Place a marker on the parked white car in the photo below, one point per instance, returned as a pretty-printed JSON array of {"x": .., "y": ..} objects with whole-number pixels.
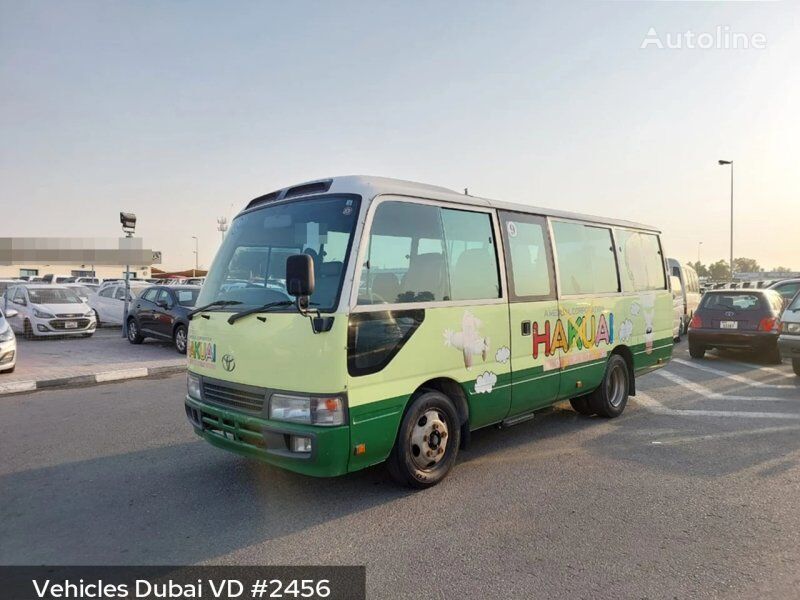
[
  {"x": 8, "y": 342},
  {"x": 678, "y": 308},
  {"x": 690, "y": 286},
  {"x": 109, "y": 301},
  {"x": 83, "y": 291},
  {"x": 49, "y": 310}
]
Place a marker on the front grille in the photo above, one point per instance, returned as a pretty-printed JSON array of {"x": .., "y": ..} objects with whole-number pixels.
[
  {"x": 69, "y": 316},
  {"x": 82, "y": 324},
  {"x": 234, "y": 396}
]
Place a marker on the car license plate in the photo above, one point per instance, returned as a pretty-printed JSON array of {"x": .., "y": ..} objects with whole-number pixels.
[
  {"x": 729, "y": 324},
  {"x": 70, "y": 324}
]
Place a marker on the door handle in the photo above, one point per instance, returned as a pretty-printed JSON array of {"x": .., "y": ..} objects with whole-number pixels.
[{"x": 526, "y": 328}]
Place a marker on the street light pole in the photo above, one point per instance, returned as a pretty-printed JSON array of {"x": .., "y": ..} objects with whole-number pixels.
[
  {"x": 730, "y": 162},
  {"x": 128, "y": 221},
  {"x": 698, "y": 250},
  {"x": 194, "y": 273}
]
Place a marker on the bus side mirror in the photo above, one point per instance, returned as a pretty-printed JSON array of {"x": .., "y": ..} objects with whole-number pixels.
[{"x": 300, "y": 275}]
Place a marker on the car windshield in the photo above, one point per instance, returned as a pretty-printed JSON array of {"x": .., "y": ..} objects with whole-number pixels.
[
  {"x": 53, "y": 296},
  {"x": 82, "y": 290},
  {"x": 732, "y": 301},
  {"x": 795, "y": 303},
  {"x": 250, "y": 267},
  {"x": 187, "y": 297}
]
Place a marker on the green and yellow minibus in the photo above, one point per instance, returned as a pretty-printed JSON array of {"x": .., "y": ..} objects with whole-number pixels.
[{"x": 355, "y": 320}]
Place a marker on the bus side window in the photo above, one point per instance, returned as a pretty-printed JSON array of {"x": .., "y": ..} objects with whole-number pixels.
[
  {"x": 528, "y": 257},
  {"x": 422, "y": 253},
  {"x": 585, "y": 257},
  {"x": 641, "y": 261}
]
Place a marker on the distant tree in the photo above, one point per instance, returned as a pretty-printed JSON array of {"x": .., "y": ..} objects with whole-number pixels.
[
  {"x": 746, "y": 265},
  {"x": 783, "y": 270},
  {"x": 700, "y": 268},
  {"x": 719, "y": 270}
]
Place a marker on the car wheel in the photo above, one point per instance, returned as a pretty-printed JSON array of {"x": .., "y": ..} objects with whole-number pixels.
[
  {"x": 581, "y": 405},
  {"x": 610, "y": 398},
  {"x": 27, "y": 330},
  {"x": 134, "y": 336},
  {"x": 180, "y": 339},
  {"x": 427, "y": 443},
  {"x": 97, "y": 319},
  {"x": 696, "y": 350},
  {"x": 796, "y": 366}
]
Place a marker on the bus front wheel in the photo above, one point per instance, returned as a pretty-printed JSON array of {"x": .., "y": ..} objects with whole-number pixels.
[
  {"x": 610, "y": 398},
  {"x": 427, "y": 443}
]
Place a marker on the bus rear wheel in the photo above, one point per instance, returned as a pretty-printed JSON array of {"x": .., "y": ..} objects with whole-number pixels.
[
  {"x": 427, "y": 443},
  {"x": 610, "y": 398}
]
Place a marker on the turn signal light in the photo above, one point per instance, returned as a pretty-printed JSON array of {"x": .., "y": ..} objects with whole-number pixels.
[{"x": 696, "y": 322}]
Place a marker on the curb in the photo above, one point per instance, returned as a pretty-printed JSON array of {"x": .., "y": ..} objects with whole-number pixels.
[{"x": 16, "y": 387}]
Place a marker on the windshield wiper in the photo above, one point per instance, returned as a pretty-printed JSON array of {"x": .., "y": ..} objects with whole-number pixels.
[
  {"x": 212, "y": 305},
  {"x": 251, "y": 311}
]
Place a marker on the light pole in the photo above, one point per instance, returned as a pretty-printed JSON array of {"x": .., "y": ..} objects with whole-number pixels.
[
  {"x": 722, "y": 163},
  {"x": 194, "y": 273},
  {"x": 698, "y": 251},
  {"x": 128, "y": 221}
]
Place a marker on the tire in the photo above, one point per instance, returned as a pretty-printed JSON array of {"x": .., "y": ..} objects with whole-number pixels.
[
  {"x": 27, "y": 330},
  {"x": 611, "y": 397},
  {"x": 180, "y": 339},
  {"x": 134, "y": 337},
  {"x": 97, "y": 319},
  {"x": 431, "y": 413},
  {"x": 581, "y": 405},
  {"x": 796, "y": 366},
  {"x": 696, "y": 350},
  {"x": 686, "y": 323}
]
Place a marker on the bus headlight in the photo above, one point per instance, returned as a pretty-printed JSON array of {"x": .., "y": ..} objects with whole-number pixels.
[
  {"x": 193, "y": 386},
  {"x": 304, "y": 409}
]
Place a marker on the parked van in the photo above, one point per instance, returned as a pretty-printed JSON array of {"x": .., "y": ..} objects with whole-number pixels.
[
  {"x": 690, "y": 284},
  {"x": 380, "y": 320},
  {"x": 678, "y": 307}
]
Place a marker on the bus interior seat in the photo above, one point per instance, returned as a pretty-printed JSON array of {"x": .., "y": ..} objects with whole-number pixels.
[
  {"x": 425, "y": 278},
  {"x": 386, "y": 287},
  {"x": 473, "y": 268}
]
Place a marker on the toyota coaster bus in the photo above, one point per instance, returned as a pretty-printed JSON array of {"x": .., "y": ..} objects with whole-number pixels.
[{"x": 355, "y": 320}]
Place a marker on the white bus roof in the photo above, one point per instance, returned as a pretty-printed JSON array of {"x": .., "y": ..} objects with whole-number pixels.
[{"x": 369, "y": 187}]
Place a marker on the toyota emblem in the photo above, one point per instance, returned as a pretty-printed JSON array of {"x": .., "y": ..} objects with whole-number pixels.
[{"x": 228, "y": 362}]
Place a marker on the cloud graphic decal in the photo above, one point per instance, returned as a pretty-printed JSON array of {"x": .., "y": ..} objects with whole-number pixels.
[
  {"x": 635, "y": 308},
  {"x": 625, "y": 330},
  {"x": 485, "y": 382},
  {"x": 502, "y": 355}
]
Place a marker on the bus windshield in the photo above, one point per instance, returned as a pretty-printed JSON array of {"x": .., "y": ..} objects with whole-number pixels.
[{"x": 250, "y": 266}]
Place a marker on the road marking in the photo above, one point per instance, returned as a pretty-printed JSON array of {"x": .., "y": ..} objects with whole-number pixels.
[
  {"x": 655, "y": 406},
  {"x": 701, "y": 390},
  {"x": 121, "y": 374},
  {"x": 12, "y": 387},
  {"x": 735, "y": 377},
  {"x": 667, "y": 441}
]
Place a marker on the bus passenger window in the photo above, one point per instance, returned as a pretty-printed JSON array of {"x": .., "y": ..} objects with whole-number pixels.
[{"x": 585, "y": 256}]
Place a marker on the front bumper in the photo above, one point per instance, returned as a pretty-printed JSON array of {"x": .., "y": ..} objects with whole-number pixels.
[
  {"x": 745, "y": 340},
  {"x": 790, "y": 346},
  {"x": 58, "y": 326},
  {"x": 269, "y": 440},
  {"x": 8, "y": 355}
]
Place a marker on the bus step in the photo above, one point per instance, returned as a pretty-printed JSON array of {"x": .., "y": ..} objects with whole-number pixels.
[{"x": 517, "y": 419}]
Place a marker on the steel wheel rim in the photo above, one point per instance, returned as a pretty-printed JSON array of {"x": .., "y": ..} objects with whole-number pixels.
[
  {"x": 180, "y": 340},
  {"x": 429, "y": 437},
  {"x": 132, "y": 330},
  {"x": 616, "y": 386}
]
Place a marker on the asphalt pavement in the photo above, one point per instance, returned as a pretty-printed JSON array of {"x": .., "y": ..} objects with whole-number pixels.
[{"x": 693, "y": 492}]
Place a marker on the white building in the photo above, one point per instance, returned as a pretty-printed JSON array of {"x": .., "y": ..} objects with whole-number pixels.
[{"x": 79, "y": 257}]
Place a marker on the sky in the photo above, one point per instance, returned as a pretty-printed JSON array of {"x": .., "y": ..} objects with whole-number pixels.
[{"x": 183, "y": 111}]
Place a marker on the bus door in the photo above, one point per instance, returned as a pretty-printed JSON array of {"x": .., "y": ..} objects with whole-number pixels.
[{"x": 533, "y": 310}]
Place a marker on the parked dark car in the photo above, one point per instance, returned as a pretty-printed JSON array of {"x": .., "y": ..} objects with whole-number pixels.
[
  {"x": 737, "y": 319},
  {"x": 161, "y": 312}
]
